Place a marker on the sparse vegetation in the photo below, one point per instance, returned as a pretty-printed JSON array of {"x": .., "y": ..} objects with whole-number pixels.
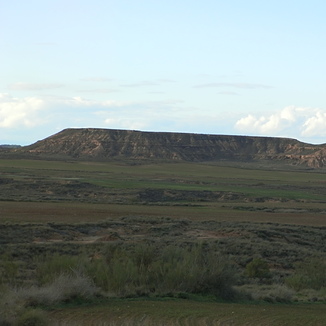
[
  {"x": 309, "y": 274},
  {"x": 33, "y": 317},
  {"x": 77, "y": 232}
]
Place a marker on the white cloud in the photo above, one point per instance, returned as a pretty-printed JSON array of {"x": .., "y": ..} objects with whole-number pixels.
[
  {"x": 63, "y": 112},
  {"x": 16, "y": 112},
  {"x": 315, "y": 125},
  {"x": 25, "y": 119},
  {"x": 266, "y": 124},
  {"x": 289, "y": 122}
]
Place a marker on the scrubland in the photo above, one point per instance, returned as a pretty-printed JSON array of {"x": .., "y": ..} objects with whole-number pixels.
[{"x": 150, "y": 243}]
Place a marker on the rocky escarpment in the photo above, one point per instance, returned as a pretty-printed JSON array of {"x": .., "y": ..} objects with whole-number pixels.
[{"x": 114, "y": 144}]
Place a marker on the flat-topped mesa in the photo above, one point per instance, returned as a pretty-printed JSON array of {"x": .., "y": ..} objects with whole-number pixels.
[{"x": 104, "y": 144}]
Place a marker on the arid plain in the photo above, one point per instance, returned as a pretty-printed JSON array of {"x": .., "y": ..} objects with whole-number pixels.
[{"x": 157, "y": 241}]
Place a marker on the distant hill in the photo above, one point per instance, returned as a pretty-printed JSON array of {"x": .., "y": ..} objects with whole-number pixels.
[
  {"x": 8, "y": 147},
  {"x": 107, "y": 144}
]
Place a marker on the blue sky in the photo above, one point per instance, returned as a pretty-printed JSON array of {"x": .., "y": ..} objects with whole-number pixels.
[{"x": 218, "y": 67}]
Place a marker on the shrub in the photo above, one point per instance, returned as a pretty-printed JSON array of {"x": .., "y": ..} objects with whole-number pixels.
[
  {"x": 8, "y": 270},
  {"x": 144, "y": 255},
  {"x": 14, "y": 302},
  {"x": 269, "y": 293},
  {"x": 10, "y": 307},
  {"x": 33, "y": 317},
  {"x": 144, "y": 270},
  {"x": 279, "y": 293},
  {"x": 50, "y": 267},
  {"x": 258, "y": 268},
  {"x": 64, "y": 288},
  {"x": 4, "y": 322},
  {"x": 310, "y": 274},
  {"x": 197, "y": 270}
]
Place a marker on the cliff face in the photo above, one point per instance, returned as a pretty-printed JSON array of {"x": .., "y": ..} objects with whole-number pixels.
[{"x": 109, "y": 144}]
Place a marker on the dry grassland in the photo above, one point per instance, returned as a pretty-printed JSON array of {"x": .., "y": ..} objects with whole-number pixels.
[{"x": 76, "y": 209}]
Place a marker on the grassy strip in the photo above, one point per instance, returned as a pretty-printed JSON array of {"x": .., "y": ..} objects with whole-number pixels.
[
  {"x": 294, "y": 185},
  {"x": 43, "y": 212},
  {"x": 190, "y": 171}
]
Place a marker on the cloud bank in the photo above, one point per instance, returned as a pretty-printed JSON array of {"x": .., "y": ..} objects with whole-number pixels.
[
  {"x": 22, "y": 117},
  {"x": 17, "y": 113},
  {"x": 290, "y": 122},
  {"x": 25, "y": 120}
]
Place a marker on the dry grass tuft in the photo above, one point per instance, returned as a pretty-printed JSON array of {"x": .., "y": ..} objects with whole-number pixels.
[{"x": 64, "y": 288}]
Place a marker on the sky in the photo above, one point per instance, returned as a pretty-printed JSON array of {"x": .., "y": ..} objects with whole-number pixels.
[{"x": 231, "y": 67}]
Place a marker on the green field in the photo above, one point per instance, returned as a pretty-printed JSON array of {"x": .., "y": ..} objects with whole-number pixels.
[
  {"x": 75, "y": 211},
  {"x": 295, "y": 185}
]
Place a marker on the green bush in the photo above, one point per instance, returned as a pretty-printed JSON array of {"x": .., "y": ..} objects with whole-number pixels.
[
  {"x": 145, "y": 270},
  {"x": 258, "y": 268},
  {"x": 142, "y": 269},
  {"x": 4, "y": 322},
  {"x": 196, "y": 270},
  {"x": 50, "y": 267},
  {"x": 10, "y": 306},
  {"x": 310, "y": 274},
  {"x": 34, "y": 317},
  {"x": 8, "y": 270}
]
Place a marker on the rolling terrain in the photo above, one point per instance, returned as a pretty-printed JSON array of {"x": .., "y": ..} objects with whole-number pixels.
[{"x": 112, "y": 210}]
